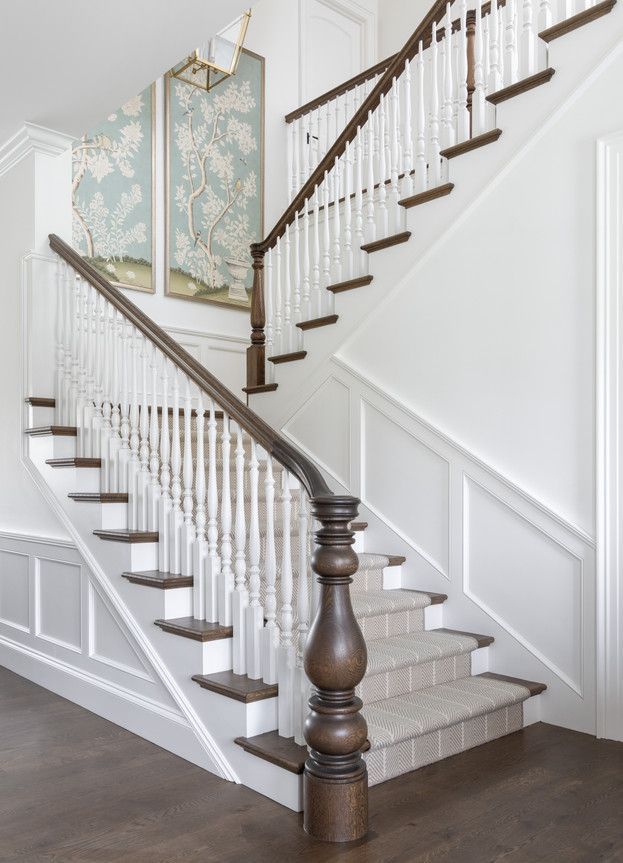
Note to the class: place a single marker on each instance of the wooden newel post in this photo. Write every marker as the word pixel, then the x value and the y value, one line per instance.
pixel 470 32
pixel 336 778
pixel 256 353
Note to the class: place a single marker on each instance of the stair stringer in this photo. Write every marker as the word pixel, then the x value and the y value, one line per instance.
pixel 579 58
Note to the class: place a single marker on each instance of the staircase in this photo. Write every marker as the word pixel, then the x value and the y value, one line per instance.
pixel 305 668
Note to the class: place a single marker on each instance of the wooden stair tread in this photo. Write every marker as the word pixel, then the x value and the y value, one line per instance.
pixel 579 20
pixel 521 86
pixel 386 242
pixel 162 580
pixel 318 322
pixel 349 285
pixel 533 687
pixel 188 627
pixel 483 640
pixel 264 388
pixel 56 431
pixel 74 462
pixel 99 497
pixel 288 358
pixel 129 536
pixel 237 686
pixel 38 402
pixel 271 747
pixel 395 560
pixel 435 598
pixel 357 526
pixel 428 195
pixel 471 144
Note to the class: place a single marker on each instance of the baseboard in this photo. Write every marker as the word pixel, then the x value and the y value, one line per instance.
pixel 155 722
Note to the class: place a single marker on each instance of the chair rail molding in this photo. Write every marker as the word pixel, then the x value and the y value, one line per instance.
pixel 609 402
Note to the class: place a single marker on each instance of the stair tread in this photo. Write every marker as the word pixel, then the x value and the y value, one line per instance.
pixel 271 747
pixel 130 536
pixel 372 603
pixel 40 402
pixel 161 580
pixel 426 196
pixel 415 648
pixel 74 462
pixel 197 630
pixel 397 719
pixel 471 144
pixel 236 686
pixel 386 242
pixel 53 430
pixel 522 86
pixel 263 388
pixel 99 497
pixel 350 284
pixel 578 20
pixel 314 324
pixel 287 358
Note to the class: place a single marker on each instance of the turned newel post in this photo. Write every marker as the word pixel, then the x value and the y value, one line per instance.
pixel 336 778
pixel 470 32
pixel 256 353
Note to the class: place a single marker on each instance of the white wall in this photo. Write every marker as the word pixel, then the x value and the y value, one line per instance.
pixel 398 19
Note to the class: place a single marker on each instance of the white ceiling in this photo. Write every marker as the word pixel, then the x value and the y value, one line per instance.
pixel 65 64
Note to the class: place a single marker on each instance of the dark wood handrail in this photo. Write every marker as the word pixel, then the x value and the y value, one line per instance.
pixel 340 90
pixel 284 452
pixel 383 86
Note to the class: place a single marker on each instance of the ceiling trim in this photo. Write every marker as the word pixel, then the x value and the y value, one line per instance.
pixel 32 139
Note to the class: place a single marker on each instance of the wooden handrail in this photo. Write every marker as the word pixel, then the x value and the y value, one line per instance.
pixel 345 87
pixel 283 451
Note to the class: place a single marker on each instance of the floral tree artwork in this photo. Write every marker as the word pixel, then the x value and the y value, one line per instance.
pixel 112 194
pixel 215 158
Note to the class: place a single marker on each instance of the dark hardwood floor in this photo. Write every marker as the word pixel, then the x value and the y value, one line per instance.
pixel 74 787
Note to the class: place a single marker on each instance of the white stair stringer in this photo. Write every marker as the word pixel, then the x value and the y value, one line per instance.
pixel 523 120
pixel 214 720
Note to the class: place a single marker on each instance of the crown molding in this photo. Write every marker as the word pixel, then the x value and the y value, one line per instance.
pixel 32 138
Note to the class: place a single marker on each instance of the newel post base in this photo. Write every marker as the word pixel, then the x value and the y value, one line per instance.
pixel 336 778
pixel 256 353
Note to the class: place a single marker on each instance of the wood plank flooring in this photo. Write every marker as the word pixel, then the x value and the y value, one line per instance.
pixel 75 788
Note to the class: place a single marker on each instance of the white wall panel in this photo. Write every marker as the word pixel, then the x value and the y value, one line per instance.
pixel 526 580
pixel 58 602
pixel 108 643
pixel 14 589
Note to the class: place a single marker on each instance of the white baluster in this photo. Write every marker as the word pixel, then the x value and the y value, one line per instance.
pixel 124 452
pixel 200 546
pixel 421 173
pixel 143 476
pixel 270 310
pixel 314 144
pixel 463 112
pixel 448 138
pixel 98 371
pixel 240 598
pixel 175 516
pixel 164 503
pixel 527 64
pixel 306 147
pixel 301 683
pixel 478 96
pixel 408 184
pixel 348 210
pixel 565 9
pixel 226 580
pixel 92 348
pixel 382 192
pixel 545 15
pixel 154 490
pixel 359 255
pixel 254 614
pixel 114 445
pixel 105 432
pixel 287 294
pixel 134 461
pixel 298 162
pixel 395 157
pixel 510 63
pixel 305 313
pixel 71 354
pixel 59 394
pixel 188 533
pixel 278 336
pixel 326 240
pixel 296 283
pixel 286 649
pixel 336 274
pixel 370 209
pixel 495 76
pixel 290 161
pixel 270 633
pixel 214 561
pixel 316 302
pixel 80 365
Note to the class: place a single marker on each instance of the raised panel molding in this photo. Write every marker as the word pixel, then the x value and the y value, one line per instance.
pixel 15 590
pixel 321 428
pixel 108 643
pixel 526 580
pixel 416 503
pixel 58 603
